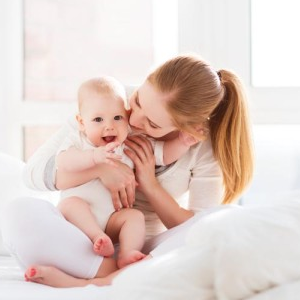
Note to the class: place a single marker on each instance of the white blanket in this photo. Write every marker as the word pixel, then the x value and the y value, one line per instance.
pixel 231 254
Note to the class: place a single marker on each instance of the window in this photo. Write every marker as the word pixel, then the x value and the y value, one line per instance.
pixel 275 43
pixel 51 46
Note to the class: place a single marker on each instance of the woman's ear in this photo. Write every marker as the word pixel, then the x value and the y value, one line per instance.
pixel 202 132
pixel 80 122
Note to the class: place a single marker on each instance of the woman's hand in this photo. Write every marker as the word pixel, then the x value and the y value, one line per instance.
pixel 119 179
pixel 141 153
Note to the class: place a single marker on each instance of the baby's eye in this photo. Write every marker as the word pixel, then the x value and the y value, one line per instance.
pixel 117 118
pixel 98 119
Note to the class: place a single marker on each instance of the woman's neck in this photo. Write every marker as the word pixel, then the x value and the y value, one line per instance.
pixel 170 136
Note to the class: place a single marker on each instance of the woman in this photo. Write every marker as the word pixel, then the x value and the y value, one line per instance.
pixel 184 94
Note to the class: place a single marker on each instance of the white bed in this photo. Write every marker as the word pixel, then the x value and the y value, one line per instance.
pixel 13 286
pixel 253 255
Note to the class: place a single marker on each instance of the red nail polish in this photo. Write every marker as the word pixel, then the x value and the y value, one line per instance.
pixel 32 272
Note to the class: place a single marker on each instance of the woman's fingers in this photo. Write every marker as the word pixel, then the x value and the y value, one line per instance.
pixel 123 198
pixel 116 200
pixel 141 146
pixel 119 179
pixel 130 191
pixel 134 157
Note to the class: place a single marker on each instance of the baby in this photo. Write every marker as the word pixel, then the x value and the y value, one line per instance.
pixel 102 128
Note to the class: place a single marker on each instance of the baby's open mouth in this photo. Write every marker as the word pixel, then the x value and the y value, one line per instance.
pixel 109 139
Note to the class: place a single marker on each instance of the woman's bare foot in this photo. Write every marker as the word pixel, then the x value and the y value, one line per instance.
pixel 103 246
pixel 129 258
pixel 54 277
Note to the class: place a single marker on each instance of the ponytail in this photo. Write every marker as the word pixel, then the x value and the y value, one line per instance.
pixel 198 95
pixel 231 137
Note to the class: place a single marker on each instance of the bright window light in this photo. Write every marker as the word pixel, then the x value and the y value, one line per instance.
pixel 275 43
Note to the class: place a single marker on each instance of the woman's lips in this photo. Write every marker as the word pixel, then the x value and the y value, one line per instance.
pixel 136 129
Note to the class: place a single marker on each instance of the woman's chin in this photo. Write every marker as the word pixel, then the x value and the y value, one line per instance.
pixel 136 130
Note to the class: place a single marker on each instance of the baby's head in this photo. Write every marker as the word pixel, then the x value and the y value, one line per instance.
pixel 102 111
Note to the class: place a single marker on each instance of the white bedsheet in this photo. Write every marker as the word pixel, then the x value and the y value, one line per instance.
pixel 14 287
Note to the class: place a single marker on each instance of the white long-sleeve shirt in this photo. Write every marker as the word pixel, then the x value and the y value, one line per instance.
pixel 194 180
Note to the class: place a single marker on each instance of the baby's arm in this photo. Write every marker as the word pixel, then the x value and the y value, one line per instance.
pixel 73 159
pixel 176 148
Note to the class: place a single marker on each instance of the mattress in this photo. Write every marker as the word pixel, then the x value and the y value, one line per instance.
pixel 14 287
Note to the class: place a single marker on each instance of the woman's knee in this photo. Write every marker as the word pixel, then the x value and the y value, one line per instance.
pixel 21 218
pixel 21 210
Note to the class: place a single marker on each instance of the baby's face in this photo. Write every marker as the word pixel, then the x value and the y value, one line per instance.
pixel 103 119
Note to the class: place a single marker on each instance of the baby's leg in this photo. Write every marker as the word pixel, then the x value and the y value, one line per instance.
pixel 127 226
pixel 78 212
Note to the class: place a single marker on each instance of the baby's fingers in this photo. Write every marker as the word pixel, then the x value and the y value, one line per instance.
pixel 111 146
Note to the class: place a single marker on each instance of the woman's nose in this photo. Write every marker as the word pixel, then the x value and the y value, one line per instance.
pixel 135 119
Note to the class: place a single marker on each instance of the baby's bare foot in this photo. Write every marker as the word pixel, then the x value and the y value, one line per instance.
pixel 103 246
pixel 129 257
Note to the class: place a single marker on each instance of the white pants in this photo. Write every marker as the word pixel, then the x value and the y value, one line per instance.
pixel 35 232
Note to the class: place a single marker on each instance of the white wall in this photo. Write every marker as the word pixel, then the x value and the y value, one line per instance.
pixel 220 31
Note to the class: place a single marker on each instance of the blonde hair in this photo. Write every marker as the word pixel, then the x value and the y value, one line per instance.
pixel 104 85
pixel 198 96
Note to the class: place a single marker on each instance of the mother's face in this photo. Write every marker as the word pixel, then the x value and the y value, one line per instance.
pixel 148 113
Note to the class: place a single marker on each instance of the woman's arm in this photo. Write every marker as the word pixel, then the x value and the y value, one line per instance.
pixel 39 171
pixel 168 210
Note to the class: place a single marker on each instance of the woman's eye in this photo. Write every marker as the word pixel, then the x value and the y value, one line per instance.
pixel 118 118
pixel 137 101
pixel 98 119
pixel 152 125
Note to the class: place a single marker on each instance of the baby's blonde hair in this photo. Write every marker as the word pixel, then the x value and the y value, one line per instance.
pixel 104 85
pixel 198 96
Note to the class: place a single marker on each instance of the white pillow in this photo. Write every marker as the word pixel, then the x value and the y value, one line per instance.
pixel 12 186
pixel 256 247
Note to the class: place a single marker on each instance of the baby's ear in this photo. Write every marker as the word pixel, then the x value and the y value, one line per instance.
pixel 80 122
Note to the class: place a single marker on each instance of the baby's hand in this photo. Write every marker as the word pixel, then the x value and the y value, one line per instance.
pixel 187 139
pixel 105 154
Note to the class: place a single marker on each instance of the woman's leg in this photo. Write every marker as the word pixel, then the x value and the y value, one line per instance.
pixel 52 276
pixel 36 233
